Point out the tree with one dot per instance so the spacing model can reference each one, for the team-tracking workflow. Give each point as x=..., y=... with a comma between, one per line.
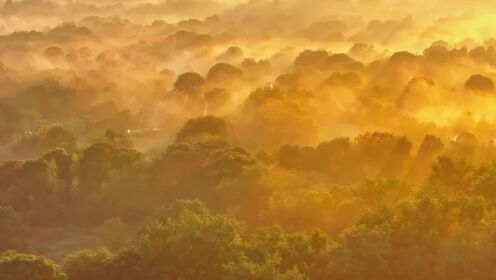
x=463, y=147
x=210, y=125
x=98, y=160
x=193, y=169
x=273, y=117
x=373, y=149
x=86, y=265
x=302, y=253
x=190, y=242
x=223, y=73
x=117, y=139
x=484, y=180
x=311, y=58
x=479, y=83
x=38, y=178
x=65, y=163
x=54, y=52
x=190, y=84
x=126, y=264
x=256, y=70
x=296, y=158
x=337, y=160
x=249, y=270
x=429, y=150
x=18, y=266
x=451, y=174
x=334, y=159
x=395, y=163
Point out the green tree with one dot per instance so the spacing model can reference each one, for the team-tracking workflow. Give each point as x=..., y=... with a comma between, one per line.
x=18, y=266
x=101, y=264
x=86, y=265
x=98, y=160
x=190, y=242
x=38, y=179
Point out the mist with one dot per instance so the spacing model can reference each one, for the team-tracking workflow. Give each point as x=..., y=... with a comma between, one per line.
x=257, y=139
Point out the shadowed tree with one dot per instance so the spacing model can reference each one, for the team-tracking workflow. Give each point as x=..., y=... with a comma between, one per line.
x=479, y=83
x=205, y=126
x=190, y=84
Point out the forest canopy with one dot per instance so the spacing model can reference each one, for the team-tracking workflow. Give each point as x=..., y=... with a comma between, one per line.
x=247, y=139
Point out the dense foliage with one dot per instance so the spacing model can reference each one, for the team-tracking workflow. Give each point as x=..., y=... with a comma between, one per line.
x=240, y=140
x=346, y=209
